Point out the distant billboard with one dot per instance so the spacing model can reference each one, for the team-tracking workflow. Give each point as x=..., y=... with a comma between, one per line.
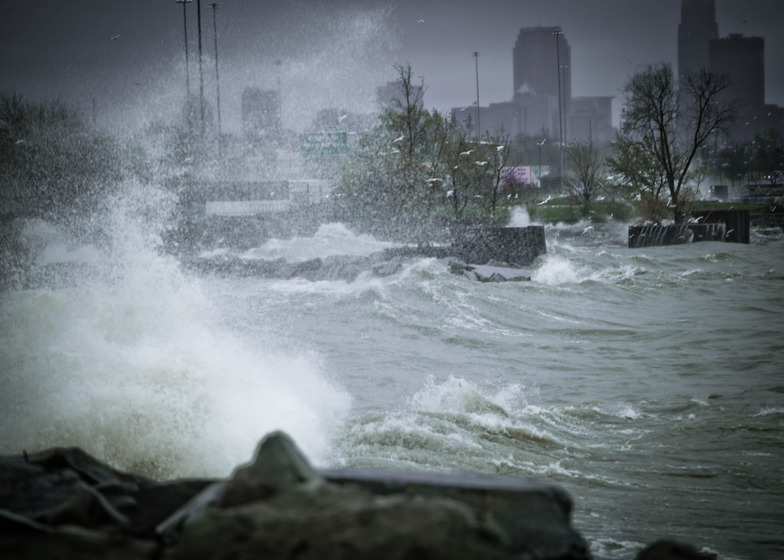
x=512, y=175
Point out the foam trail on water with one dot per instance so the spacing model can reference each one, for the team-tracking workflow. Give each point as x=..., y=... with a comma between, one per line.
x=129, y=364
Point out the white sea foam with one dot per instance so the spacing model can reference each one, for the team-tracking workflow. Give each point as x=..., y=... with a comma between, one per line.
x=329, y=240
x=454, y=395
x=556, y=271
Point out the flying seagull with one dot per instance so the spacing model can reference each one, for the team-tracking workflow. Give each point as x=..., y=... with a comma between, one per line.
x=115, y=37
x=546, y=201
x=421, y=21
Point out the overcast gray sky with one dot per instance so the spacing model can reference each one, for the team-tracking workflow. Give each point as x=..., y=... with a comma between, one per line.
x=334, y=53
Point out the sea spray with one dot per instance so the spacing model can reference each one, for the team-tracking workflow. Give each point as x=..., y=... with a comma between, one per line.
x=519, y=218
x=129, y=363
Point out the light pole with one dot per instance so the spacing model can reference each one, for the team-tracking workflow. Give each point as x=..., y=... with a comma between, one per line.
x=215, y=7
x=185, y=28
x=557, y=33
x=478, y=128
x=565, y=140
x=201, y=68
x=540, y=144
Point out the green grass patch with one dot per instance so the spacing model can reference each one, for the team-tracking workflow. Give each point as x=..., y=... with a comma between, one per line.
x=702, y=206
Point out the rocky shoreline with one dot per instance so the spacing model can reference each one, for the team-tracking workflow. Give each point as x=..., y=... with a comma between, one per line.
x=63, y=503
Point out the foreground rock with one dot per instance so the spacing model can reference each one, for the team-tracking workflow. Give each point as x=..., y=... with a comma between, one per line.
x=63, y=504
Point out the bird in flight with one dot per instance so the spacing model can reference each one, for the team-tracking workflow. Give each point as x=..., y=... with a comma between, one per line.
x=114, y=38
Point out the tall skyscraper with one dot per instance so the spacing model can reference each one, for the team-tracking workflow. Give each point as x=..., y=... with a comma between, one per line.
x=698, y=26
x=743, y=60
x=535, y=59
x=536, y=109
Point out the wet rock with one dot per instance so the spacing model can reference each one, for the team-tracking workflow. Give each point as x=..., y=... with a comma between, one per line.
x=343, y=523
x=534, y=517
x=672, y=550
x=66, y=486
x=278, y=465
x=72, y=542
x=62, y=503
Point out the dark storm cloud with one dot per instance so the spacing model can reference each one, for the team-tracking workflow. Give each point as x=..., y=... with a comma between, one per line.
x=334, y=53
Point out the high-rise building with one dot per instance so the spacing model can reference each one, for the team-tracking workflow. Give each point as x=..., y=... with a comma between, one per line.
x=698, y=26
x=537, y=55
x=743, y=60
x=391, y=95
x=541, y=106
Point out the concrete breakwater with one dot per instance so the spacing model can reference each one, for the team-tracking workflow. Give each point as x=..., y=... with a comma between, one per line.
x=726, y=225
x=506, y=249
x=63, y=503
x=515, y=246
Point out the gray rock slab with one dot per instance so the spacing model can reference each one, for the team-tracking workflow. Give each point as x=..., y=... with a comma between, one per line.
x=534, y=515
x=487, y=273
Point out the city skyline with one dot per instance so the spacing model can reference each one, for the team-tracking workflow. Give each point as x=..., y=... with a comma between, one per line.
x=130, y=60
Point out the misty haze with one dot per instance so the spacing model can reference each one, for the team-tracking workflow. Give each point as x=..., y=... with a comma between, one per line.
x=392, y=279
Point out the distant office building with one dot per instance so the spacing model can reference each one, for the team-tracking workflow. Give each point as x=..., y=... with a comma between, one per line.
x=591, y=119
x=388, y=96
x=527, y=115
x=536, y=56
x=697, y=28
x=742, y=58
x=261, y=113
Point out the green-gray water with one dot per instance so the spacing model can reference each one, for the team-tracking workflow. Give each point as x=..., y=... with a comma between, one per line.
x=649, y=383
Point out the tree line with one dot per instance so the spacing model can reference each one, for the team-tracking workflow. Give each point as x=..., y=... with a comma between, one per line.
x=417, y=168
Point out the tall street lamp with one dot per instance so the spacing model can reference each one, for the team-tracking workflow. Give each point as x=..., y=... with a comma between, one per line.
x=564, y=155
x=215, y=7
x=201, y=68
x=557, y=33
x=476, y=61
x=185, y=28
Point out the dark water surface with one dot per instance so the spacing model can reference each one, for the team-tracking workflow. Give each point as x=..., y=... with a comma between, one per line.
x=649, y=383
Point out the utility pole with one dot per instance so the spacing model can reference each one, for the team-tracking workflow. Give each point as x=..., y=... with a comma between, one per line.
x=215, y=7
x=280, y=102
x=557, y=33
x=185, y=28
x=478, y=127
x=201, y=68
x=564, y=155
x=540, y=144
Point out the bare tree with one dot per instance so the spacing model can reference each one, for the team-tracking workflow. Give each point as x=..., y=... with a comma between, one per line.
x=587, y=173
x=497, y=150
x=669, y=122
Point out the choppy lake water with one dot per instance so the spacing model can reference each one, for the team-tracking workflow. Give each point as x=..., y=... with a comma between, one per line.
x=649, y=383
